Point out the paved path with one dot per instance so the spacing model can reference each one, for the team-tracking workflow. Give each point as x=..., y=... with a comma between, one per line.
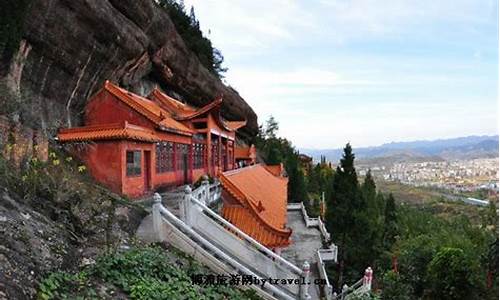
x=305, y=243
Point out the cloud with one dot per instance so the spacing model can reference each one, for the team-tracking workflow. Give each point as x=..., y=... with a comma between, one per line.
x=241, y=25
x=366, y=71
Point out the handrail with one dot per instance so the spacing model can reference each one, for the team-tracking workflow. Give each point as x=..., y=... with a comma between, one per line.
x=219, y=252
x=363, y=285
x=249, y=239
x=347, y=290
x=323, y=275
x=311, y=222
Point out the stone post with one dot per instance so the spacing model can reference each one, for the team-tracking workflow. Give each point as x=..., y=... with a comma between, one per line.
x=367, y=279
x=329, y=293
x=157, y=223
x=218, y=189
x=186, y=205
x=206, y=189
x=344, y=291
x=306, y=268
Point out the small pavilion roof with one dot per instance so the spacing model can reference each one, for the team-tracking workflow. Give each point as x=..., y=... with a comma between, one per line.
x=115, y=131
x=258, y=204
x=184, y=112
x=276, y=170
x=244, y=152
x=149, y=109
x=235, y=125
x=176, y=107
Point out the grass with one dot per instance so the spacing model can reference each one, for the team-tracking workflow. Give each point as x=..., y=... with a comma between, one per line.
x=139, y=273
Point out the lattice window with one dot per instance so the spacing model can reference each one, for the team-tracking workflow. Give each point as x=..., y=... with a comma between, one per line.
x=198, y=156
x=164, y=157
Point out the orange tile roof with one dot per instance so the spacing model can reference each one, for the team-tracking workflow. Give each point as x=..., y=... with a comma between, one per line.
x=120, y=131
x=245, y=152
x=149, y=109
x=175, y=106
x=260, y=203
x=214, y=104
x=276, y=170
x=235, y=125
x=184, y=112
x=180, y=110
x=242, y=152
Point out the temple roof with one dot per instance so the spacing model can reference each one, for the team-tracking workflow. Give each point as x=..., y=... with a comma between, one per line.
x=257, y=205
x=276, y=170
x=235, y=125
x=183, y=112
x=176, y=107
x=149, y=109
x=245, y=152
x=120, y=131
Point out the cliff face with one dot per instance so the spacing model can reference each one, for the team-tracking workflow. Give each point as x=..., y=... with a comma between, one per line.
x=69, y=48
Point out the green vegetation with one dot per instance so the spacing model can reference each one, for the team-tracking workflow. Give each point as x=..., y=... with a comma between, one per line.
x=361, y=223
x=275, y=150
x=415, y=252
x=432, y=200
x=139, y=273
x=318, y=181
x=189, y=29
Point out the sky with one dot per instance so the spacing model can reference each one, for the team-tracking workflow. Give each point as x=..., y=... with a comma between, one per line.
x=361, y=71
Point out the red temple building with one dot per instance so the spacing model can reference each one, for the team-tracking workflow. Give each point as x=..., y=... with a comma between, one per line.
x=245, y=156
x=135, y=145
x=255, y=200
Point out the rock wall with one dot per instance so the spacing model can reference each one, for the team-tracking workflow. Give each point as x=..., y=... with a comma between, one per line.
x=20, y=144
x=69, y=48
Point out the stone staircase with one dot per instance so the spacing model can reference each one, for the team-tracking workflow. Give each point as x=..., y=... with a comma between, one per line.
x=183, y=220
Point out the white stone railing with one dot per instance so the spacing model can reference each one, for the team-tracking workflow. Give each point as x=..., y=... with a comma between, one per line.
x=211, y=228
x=323, y=255
x=237, y=243
x=208, y=193
x=168, y=227
x=311, y=222
x=361, y=287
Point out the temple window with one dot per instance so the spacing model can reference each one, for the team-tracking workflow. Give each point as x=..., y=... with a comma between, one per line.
x=133, y=163
x=198, y=156
x=164, y=157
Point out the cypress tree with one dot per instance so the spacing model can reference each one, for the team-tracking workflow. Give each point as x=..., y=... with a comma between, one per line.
x=390, y=223
x=342, y=207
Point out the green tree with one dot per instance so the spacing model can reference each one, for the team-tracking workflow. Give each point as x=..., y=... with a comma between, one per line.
x=415, y=256
x=272, y=128
x=390, y=223
x=490, y=217
x=394, y=288
x=188, y=28
x=342, y=208
x=371, y=216
x=275, y=150
x=450, y=275
x=297, y=191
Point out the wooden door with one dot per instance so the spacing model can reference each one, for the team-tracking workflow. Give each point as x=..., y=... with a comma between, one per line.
x=147, y=170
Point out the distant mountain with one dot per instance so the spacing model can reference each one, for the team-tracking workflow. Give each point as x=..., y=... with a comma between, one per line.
x=443, y=149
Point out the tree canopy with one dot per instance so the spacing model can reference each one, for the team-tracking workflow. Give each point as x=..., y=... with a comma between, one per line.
x=188, y=27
